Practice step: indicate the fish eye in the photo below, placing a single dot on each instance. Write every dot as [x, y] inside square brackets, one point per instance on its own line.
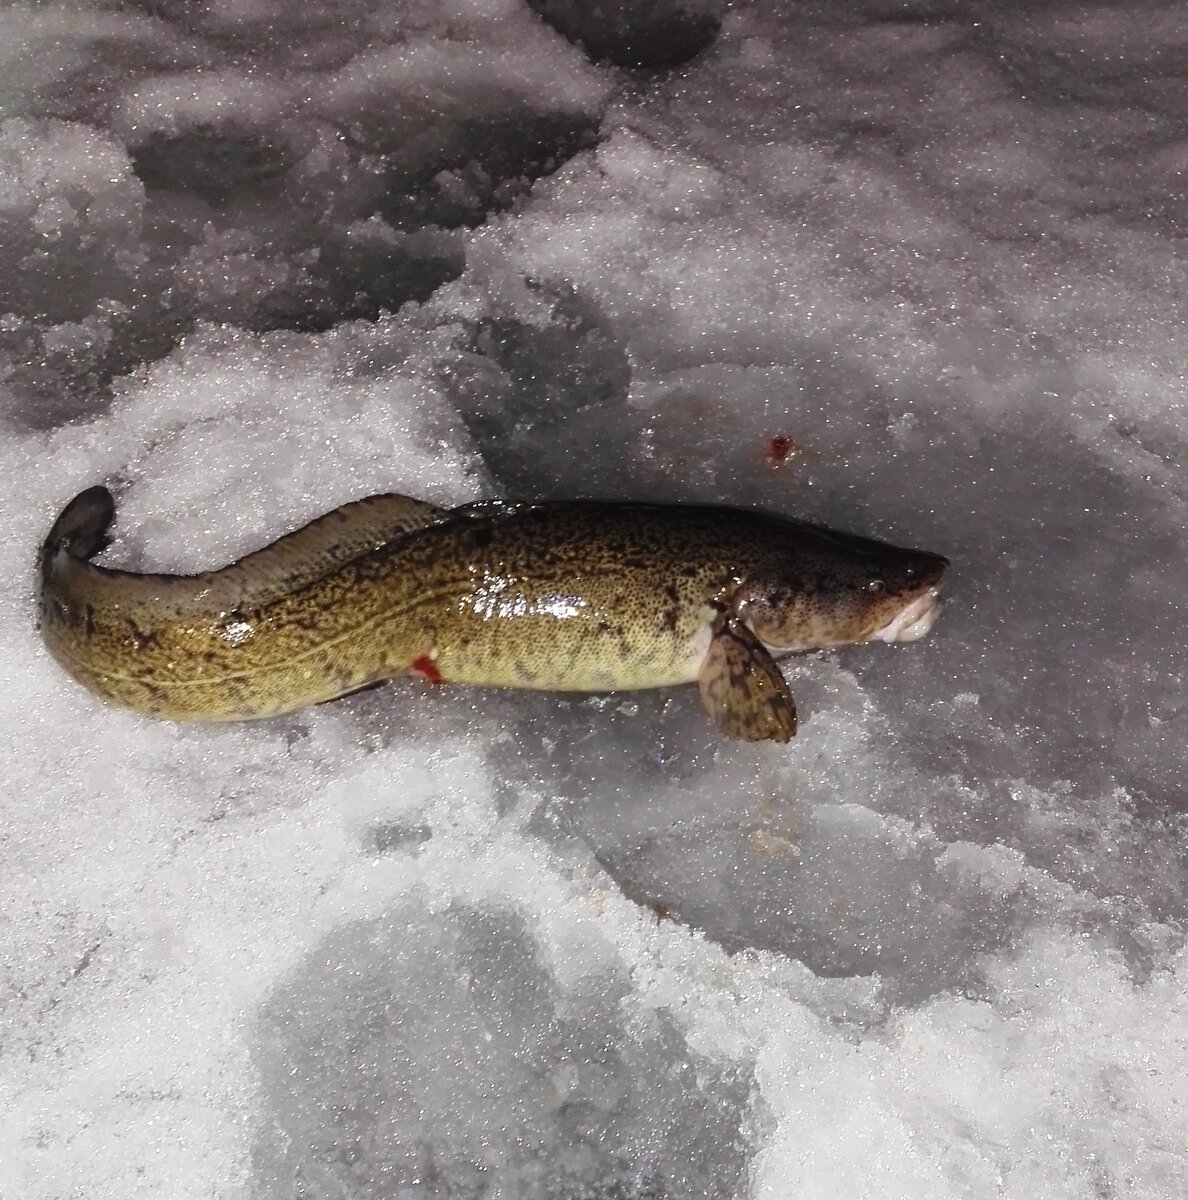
[875, 586]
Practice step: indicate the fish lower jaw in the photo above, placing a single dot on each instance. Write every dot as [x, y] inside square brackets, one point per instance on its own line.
[913, 621]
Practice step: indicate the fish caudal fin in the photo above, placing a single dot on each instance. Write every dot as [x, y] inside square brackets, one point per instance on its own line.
[742, 689]
[81, 527]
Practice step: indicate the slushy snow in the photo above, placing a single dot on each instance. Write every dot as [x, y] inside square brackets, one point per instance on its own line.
[258, 259]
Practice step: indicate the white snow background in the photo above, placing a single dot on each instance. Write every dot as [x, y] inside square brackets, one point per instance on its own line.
[259, 258]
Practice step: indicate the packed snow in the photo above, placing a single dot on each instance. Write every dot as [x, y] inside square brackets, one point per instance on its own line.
[258, 259]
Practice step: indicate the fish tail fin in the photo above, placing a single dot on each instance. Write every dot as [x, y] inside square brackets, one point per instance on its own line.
[81, 528]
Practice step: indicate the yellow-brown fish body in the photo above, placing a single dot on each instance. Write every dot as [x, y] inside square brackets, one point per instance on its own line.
[575, 596]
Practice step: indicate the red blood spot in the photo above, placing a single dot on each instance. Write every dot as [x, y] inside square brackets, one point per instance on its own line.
[779, 447]
[427, 667]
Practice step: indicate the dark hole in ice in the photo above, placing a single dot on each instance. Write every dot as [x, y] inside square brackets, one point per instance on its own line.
[429, 1053]
[390, 837]
[444, 179]
[548, 403]
[632, 33]
[740, 860]
[481, 167]
[213, 162]
[54, 387]
[358, 278]
[842, 906]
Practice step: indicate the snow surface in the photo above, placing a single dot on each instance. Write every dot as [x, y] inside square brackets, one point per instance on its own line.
[257, 259]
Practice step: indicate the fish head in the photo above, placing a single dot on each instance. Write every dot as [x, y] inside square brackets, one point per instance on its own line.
[831, 589]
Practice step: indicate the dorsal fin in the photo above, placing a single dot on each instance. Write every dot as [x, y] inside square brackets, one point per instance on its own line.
[290, 563]
[339, 536]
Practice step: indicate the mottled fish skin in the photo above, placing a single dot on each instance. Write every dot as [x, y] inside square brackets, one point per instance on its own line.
[577, 596]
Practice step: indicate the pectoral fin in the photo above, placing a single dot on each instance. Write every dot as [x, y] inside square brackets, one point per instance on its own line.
[742, 689]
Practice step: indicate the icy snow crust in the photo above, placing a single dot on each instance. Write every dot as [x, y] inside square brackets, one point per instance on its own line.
[261, 258]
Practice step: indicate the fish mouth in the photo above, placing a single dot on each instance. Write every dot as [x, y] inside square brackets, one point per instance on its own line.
[912, 621]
